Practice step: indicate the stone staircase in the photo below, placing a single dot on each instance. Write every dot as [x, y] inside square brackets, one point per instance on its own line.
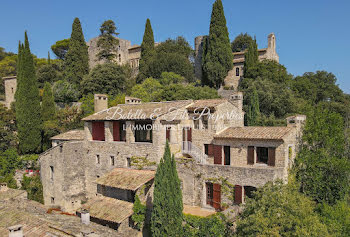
[189, 149]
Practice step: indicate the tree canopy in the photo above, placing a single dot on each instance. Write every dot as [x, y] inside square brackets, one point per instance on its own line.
[60, 48]
[107, 42]
[241, 42]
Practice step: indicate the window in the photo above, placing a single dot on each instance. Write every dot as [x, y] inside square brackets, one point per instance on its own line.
[97, 176]
[61, 148]
[128, 162]
[262, 155]
[112, 160]
[98, 131]
[12, 89]
[167, 133]
[52, 200]
[143, 131]
[206, 149]
[196, 123]
[51, 173]
[237, 71]
[227, 155]
[98, 160]
[210, 192]
[205, 122]
[120, 57]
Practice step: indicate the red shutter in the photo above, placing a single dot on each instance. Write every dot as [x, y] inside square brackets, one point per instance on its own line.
[250, 158]
[272, 156]
[217, 196]
[167, 134]
[98, 131]
[189, 135]
[217, 154]
[116, 131]
[210, 149]
[238, 194]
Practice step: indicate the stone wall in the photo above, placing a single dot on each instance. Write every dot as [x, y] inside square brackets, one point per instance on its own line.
[10, 84]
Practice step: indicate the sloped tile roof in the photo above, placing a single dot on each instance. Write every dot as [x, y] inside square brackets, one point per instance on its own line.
[211, 103]
[254, 133]
[123, 178]
[110, 209]
[141, 111]
[70, 135]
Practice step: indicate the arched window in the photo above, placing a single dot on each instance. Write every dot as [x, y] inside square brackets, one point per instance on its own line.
[237, 71]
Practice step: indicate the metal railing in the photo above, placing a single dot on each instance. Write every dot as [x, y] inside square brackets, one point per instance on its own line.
[190, 149]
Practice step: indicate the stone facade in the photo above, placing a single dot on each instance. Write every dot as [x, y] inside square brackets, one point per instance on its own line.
[10, 84]
[235, 75]
[69, 170]
[126, 53]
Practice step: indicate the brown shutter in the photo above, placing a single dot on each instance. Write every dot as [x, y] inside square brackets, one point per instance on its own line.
[217, 196]
[238, 194]
[250, 155]
[217, 155]
[98, 131]
[210, 149]
[189, 135]
[184, 134]
[272, 156]
[116, 131]
[167, 133]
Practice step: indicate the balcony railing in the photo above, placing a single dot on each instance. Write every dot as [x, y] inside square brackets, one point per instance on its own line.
[196, 153]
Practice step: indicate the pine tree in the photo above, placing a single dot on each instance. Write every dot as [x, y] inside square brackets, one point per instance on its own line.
[48, 109]
[167, 198]
[254, 110]
[251, 57]
[218, 57]
[48, 58]
[107, 42]
[77, 58]
[28, 117]
[147, 50]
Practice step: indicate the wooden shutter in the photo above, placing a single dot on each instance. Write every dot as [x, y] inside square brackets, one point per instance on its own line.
[217, 196]
[272, 156]
[184, 134]
[116, 131]
[98, 131]
[250, 158]
[167, 133]
[217, 154]
[238, 194]
[189, 135]
[210, 149]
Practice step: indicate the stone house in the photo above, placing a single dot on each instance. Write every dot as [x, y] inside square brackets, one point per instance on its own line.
[219, 160]
[234, 76]
[10, 84]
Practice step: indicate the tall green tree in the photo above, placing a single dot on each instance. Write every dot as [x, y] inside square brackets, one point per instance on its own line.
[77, 58]
[167, 213]
[48, 107]
[107, 42]
[147, 50]
[218, 56]
[241, 42]
[254, 110]
[251, 57]
[60, 48]
[29, 123]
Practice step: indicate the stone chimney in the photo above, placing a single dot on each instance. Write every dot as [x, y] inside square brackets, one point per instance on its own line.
[100, 102]
[132, 100]
[85, 217]
[236, 98]
[3, 187]
[16, 231]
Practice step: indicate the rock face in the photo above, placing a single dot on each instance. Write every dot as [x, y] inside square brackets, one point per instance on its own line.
[126, 54]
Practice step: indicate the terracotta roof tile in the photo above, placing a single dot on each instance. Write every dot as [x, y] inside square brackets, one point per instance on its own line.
[124, 178]
[254, 133]
[110, 209]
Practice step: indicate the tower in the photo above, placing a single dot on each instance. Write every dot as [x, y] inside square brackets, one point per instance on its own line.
[271, 48]
[198, 46]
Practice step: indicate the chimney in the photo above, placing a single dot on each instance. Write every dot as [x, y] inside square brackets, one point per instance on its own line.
[132, 100]
[3, 187]
[85, 217]
[16, 231]
[100, 102]
[236, 99]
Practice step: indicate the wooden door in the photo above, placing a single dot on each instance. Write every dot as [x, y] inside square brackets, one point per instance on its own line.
[217, 154]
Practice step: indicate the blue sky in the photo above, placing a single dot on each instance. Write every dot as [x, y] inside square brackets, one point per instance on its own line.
[311, 35]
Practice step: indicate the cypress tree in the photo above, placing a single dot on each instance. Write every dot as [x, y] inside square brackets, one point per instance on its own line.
[218, 57]
[251, 57]
[254, 110]
[77, 58]
[147, 51]
[48, 110]
[107, 42]
[28, 118]
[167, 214]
